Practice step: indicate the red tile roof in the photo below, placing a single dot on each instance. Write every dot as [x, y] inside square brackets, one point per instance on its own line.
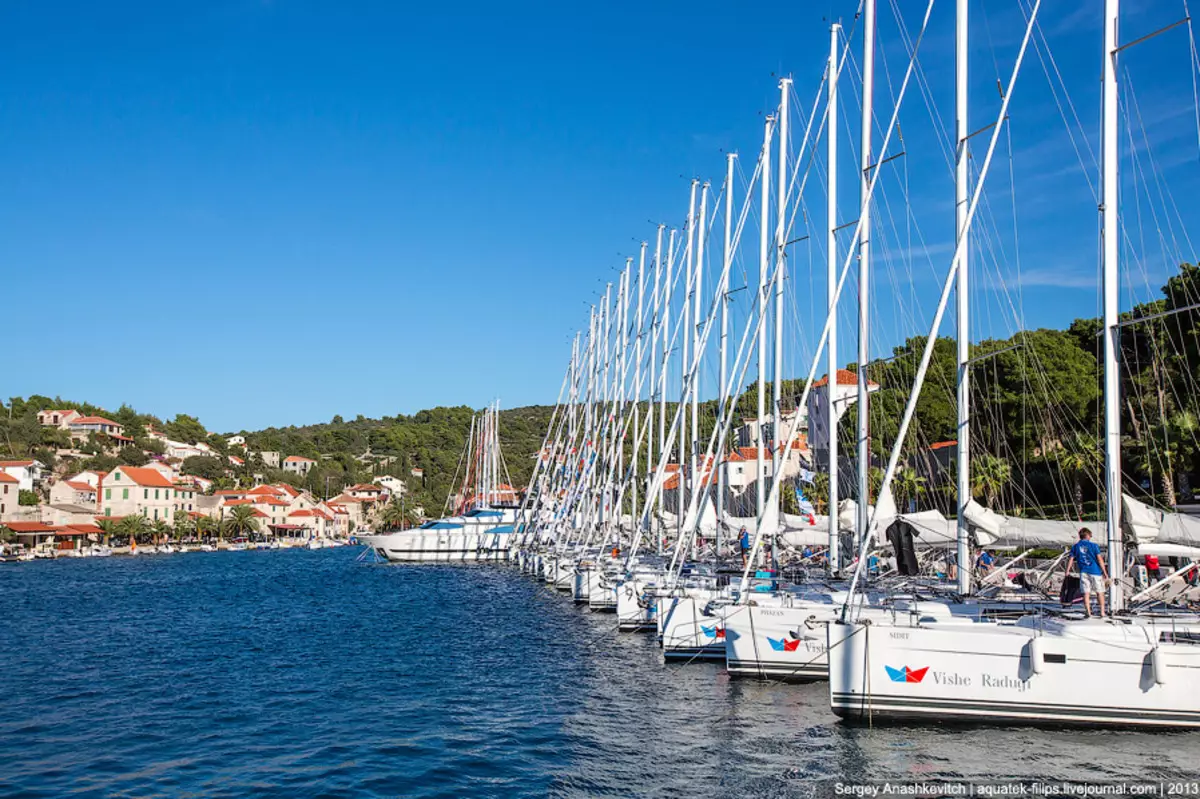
[274, 501]
[259, 490]
[367, 487]
[15, 464]
[94, 420]
[845, 378]
[297, 459]
[29, 527]
[8, 478]
[144, 477]
[260, 515]
[749, 454]
[231, 502]
[81, 486]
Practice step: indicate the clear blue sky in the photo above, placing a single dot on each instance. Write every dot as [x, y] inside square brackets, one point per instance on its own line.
[269, 212]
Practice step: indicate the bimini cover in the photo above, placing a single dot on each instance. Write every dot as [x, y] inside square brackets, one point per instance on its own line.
[1144, 525]
[1142, 522]
[929, 528]
[807, 537]
[1033, 533]
[986, 522]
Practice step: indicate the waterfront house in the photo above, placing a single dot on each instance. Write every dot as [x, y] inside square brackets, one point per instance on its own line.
[130, 490]
[298, 465]
[72, 492]
[28, 472]
[59, 513]
[32, 534]
[10, 491]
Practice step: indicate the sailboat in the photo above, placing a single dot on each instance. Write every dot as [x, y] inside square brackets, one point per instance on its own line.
[1039, 668]
[482, 528]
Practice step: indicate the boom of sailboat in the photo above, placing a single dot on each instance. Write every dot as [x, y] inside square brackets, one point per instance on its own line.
[640, 505]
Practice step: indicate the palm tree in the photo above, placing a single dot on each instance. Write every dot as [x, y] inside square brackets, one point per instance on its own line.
[818, 492]
[1080, 459]
[132, 526]
[989, 476]
[184, 527]
[909, 486]
[393, 516]
[109, 528]
[241, 520]
[206, 526]
[161, 531]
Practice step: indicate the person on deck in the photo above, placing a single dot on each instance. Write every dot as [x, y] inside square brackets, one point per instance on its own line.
[985, 562]
[1093, 574]
[744, 545]
[1152, 567]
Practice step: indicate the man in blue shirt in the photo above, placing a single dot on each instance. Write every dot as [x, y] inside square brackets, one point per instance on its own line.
[1093, 574]
[985, 562]
[744, 545]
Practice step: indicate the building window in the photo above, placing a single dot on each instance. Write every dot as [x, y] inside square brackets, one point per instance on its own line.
[108, 493]
[145, 493]
[156, 514]
[124, 493]
[155, 493]
[117, 476]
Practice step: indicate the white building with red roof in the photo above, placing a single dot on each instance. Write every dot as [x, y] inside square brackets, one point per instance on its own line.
[74, 492]
[845, 394]
[83, 426]
[298, 465]
[28, 472]
[60, 418]
[10, 496]
[131, 490]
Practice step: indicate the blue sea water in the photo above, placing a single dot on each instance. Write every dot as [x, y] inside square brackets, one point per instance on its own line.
[297, 673]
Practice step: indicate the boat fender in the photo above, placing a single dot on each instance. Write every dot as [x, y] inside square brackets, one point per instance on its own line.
[1158, 662]
[1036, 661]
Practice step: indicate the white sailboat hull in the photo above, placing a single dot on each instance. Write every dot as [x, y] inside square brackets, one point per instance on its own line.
[687, 633]
[1094, 673]
[437, 546]
[780, 643]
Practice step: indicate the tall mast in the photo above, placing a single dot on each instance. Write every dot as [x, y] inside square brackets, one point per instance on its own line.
[639, 318]
[864, 271]
[831, 255]
[763, 267]
[785, 89]
[1112, 332]
[666, 360]
[685, 364]
[619, 396]
[697, 472]
[656, 320]
[726, 263]
[963, 298]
